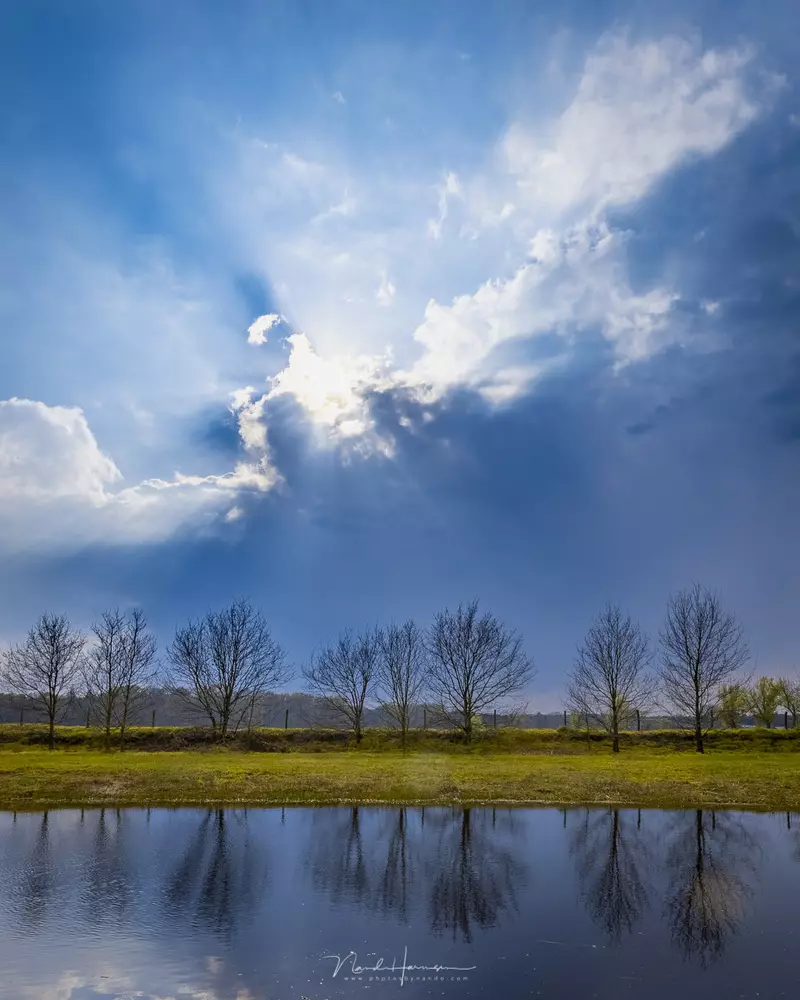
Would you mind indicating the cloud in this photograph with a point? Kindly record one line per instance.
(449, 189)
(540, 270)
(572, 284)
(335, 392)
(49, 452)
(258, 329)
(60, 491)
(340, 209)
(640, 110)
(386, 290)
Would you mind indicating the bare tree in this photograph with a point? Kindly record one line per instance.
(402, 672)
(103, 667)
(790, 697)
(763, 699)
(46, 665)
(136, 673)
(344, 675)
(474, 663)
(222, 662)
(701, 647)
(609, 678)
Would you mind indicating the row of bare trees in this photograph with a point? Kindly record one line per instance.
(113, 670)
(465, 663)
(617, 671)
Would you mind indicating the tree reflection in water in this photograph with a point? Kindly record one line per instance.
(473, 877)
(220, 878)
(709, 858)
(107, 887)
(612, 854)
(452, 861)
(339, 860)
(38, 879)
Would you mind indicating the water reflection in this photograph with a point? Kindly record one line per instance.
(613, 854)
(473, 876)
(460, 866)
(107, 886)
(37, 878)
(222, 875)
(245, 902)
(710, 861)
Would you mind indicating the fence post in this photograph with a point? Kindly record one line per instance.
(565, 718)
(21, 716)
(153, 720)
(638, 721)
(424, 718)
(494, 718)
(286, 720)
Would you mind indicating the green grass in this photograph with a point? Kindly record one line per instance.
(563, 772)
(490, 741)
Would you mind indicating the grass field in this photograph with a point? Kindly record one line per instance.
(741, 770)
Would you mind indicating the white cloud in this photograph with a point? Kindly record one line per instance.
(640, 110)
(340, 209)
(338, 97)
(300, 167)
(573, 283)
(60, 491)
(258, 329)
(450, 188)
(49, 452)
(386, 290)
(335, 392)
(540, 260)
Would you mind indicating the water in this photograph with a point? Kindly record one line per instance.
(251, 904)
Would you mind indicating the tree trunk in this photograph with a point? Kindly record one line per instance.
(615, 744)
(698, 737)
(357, 730)
(52, 730)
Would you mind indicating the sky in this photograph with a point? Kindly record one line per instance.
(362, 310)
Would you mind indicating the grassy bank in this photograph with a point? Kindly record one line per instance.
(491, 741)
(31, 777)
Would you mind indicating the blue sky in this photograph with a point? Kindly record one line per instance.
(364, 309)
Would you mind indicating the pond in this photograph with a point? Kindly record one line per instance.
(274, 904)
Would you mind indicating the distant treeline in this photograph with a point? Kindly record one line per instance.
(162, 707)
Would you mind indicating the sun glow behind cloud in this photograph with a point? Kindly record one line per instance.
(395, 284)
(640, 110)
